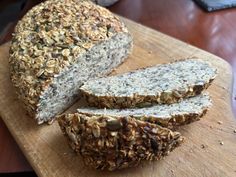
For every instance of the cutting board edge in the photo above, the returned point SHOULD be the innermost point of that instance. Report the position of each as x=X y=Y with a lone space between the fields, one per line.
x=20 y=144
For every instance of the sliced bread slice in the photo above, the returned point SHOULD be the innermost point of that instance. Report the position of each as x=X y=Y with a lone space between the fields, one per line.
x=166 y=83
x=171 y=116
x=115 y=143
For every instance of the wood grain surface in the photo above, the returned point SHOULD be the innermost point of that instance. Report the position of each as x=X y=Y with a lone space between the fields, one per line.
x=47 y=151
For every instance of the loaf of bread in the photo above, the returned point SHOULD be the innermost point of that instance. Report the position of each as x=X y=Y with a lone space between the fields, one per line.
x=115 y=143
x=57 y=46
x=166 y=83
x=169 y=116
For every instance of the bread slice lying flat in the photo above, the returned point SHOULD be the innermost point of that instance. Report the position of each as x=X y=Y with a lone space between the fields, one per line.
x=166 y=83
x=115 y=143
x=57 y=46
x=171 y=116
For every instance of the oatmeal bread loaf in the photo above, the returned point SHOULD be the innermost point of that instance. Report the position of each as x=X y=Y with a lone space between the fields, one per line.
x=57 y=46
x=115 y=143
x=169 y=116
x=166 y=83
x=105 y=3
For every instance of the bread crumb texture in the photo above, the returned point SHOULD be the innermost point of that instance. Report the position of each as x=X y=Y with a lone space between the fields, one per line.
x=50 y=38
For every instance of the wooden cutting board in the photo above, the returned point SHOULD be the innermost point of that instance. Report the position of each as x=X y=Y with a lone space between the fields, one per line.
x=202 y=154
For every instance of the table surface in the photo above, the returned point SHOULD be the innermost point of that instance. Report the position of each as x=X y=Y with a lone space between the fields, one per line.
x=182 y=19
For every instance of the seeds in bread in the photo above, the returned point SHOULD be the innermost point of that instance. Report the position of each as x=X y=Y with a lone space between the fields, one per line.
x=58 y=45
x=115 y=143
x=170 y=116
x=166 y=83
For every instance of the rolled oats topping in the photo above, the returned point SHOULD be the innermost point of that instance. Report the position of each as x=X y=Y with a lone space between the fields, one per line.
x=111 y=143
x=50 y=38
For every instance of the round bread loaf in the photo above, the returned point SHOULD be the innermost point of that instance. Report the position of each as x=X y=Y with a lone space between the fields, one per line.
x=57 y=46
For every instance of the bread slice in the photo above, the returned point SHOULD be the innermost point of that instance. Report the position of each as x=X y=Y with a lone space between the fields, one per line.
x=170 y=116
x=166 y=83
x=115 y=143
x=57 y=46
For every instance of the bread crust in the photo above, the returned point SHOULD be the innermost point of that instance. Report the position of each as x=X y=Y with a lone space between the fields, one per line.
x=108 y=143
x=49 y=39
x=172 y=123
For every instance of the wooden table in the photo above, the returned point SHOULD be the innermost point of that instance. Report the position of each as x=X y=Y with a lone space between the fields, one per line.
x=183 y=19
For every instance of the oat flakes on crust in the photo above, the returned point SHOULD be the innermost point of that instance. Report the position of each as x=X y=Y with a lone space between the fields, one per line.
x=49 y=39
x=115 y=143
